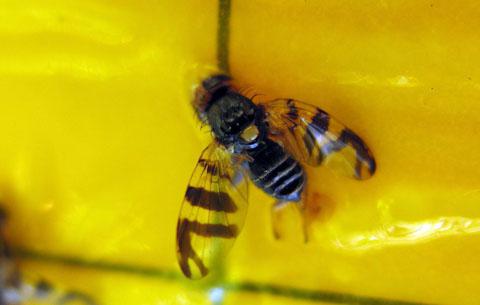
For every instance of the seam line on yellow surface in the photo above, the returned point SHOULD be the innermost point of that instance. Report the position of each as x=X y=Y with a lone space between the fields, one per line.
x=248 y=287
x=223 y=35
x=315 y=295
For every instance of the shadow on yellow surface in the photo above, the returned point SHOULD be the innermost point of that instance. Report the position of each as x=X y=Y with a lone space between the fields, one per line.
x=99 y=140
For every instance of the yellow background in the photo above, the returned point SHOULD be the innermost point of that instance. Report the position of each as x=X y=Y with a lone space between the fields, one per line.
x=98 y=141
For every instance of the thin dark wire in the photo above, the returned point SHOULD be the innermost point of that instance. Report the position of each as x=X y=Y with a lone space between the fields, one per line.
x=223 y=35
x=314 y=295
x=96 y=265
x=166 y=274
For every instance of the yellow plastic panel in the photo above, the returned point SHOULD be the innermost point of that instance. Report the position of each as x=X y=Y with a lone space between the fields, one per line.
x=99 y=141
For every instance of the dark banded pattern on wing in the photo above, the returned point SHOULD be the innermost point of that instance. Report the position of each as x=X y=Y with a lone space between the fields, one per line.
x=212 y=213
x=313 y=137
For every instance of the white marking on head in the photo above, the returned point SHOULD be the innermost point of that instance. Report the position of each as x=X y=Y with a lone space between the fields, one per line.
x=250 y=133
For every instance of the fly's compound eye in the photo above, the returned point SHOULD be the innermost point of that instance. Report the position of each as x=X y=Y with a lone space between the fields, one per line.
x=250 y=134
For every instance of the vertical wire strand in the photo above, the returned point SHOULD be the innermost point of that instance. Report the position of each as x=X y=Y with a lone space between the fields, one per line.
x=223 y=35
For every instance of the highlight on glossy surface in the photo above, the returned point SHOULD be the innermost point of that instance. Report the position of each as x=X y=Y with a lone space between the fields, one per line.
x=99 y=137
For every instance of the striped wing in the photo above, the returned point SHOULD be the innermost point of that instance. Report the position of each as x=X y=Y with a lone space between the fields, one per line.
x=313 y=137
x=212 y=213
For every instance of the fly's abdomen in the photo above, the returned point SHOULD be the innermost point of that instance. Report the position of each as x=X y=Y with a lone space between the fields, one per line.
x=276 y=172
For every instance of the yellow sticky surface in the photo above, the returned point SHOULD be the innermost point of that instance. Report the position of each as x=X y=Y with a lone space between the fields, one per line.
x=98 y=142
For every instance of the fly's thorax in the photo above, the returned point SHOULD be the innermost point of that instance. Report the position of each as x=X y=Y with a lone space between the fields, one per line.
x=208 y=91
x=236 y=120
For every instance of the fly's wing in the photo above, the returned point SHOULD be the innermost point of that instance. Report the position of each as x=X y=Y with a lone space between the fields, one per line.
x=212 y=213
x=313 y=137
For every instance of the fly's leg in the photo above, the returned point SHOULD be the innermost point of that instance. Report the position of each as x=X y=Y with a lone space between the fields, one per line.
x=288 y=221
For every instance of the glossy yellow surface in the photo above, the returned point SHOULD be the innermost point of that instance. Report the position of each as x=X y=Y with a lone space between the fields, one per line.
x=98 y=142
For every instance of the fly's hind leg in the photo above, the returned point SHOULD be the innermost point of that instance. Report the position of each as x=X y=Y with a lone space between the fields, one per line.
x=288 y=221
x=276 y=216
